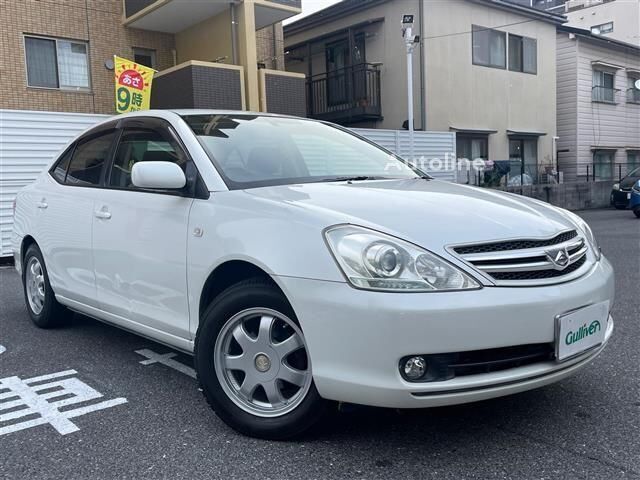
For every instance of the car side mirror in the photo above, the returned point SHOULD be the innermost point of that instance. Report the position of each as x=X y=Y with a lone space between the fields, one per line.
x=158 y=176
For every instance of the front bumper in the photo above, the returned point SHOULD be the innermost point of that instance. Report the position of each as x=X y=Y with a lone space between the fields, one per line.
x=620 y=198
x=356 y=338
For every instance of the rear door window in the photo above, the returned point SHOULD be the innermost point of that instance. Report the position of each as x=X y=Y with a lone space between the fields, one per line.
x=59 y=170
x=89 y=159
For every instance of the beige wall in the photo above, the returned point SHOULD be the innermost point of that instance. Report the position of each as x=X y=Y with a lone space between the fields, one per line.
x=101 y=26
x=625 y=15
x=460 y=94
x=457 y=93
x=206 y=41
x=383 y=44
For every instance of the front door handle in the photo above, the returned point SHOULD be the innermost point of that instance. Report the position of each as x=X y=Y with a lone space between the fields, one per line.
x=42 y=204
x=103 y=214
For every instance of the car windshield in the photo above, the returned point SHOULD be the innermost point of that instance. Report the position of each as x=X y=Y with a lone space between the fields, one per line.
x=256 y=151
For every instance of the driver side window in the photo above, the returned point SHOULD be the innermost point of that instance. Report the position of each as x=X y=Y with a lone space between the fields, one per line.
x=143 y=145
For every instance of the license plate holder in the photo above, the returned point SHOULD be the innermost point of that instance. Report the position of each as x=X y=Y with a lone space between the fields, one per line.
x=580 y=330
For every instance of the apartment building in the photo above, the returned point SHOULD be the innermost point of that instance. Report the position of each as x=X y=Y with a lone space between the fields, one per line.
x=58 y=55
x=598 y=98
x=615 y=19
x=485 y=69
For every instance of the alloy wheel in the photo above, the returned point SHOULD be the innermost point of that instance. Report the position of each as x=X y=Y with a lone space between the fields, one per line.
x=34 y=282
x=262 y=363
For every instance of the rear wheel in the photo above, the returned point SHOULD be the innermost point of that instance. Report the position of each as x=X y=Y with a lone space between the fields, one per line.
x=252 y=363
x=43 y=308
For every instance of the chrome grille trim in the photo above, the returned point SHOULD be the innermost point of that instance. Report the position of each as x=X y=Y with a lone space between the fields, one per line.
x=528 y=266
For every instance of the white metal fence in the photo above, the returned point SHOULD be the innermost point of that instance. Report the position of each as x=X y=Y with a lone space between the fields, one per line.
x=427 y=146
x=29 y=140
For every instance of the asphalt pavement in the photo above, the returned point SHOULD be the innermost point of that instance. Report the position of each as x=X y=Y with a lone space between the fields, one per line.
x=148 y=420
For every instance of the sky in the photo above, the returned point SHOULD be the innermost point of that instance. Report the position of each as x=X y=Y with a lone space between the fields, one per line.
x=309 y=7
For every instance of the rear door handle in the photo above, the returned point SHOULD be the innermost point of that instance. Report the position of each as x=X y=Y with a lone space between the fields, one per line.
x=103 y=214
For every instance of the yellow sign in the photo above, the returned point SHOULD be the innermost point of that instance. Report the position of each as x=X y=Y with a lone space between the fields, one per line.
x=133 y=85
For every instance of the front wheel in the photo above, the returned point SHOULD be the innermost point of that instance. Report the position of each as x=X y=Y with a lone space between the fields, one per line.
x=636 y=211
x=253 y=365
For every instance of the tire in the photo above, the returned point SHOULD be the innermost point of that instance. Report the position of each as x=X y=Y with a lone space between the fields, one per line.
x=239 y=309
x=45 y=311
x=636 y=211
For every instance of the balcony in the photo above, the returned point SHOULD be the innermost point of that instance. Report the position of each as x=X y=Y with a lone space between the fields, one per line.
x=195 y=84
x=603 y=94
x=348 y=95
x=173 y=16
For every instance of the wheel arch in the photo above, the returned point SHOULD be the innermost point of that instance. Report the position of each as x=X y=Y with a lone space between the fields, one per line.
x=27 y=241
x=227 y=274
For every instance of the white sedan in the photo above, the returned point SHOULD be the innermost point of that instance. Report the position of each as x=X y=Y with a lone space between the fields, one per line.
x=302 y=264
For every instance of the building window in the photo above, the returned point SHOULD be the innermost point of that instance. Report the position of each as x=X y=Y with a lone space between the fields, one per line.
x=340 y=77
x=144 y=56
x=603 y=164
x=472 y=147
x=523 y=159
x=603 y=86
x=633 y=160
x=489 y=47
x=523 y=54
x=602 y=28
x=56 y=63
x=633 y=92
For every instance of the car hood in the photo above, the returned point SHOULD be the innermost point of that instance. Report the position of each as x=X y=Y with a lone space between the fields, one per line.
x=430 y=213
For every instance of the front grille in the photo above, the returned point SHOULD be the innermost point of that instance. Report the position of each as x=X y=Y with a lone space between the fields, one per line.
x=515 y=244
x=539 y=274
x=445 y=366
x=528 y=261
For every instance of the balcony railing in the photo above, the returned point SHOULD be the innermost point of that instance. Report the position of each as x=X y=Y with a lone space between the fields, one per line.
x=603 y=94
x=633 y=95
x=347 y=95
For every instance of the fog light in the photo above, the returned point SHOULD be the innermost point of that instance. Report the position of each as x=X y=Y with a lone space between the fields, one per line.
x=415 y=368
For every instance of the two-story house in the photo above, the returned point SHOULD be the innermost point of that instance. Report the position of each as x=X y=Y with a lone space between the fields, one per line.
x=485 y=69
x=58 y=56
x=598 y=100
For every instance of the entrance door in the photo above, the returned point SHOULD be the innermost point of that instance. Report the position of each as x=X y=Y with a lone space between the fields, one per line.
x=523 y=154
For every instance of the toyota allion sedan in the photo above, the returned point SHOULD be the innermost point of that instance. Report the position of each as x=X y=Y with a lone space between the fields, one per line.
x=303 y=265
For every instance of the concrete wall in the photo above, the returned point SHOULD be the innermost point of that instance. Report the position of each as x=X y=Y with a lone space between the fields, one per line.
x=625 y=15
x=572 y=196
x=460 y=94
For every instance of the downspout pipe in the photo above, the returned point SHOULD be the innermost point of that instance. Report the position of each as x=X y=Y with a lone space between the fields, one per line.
x=423 y=101
x=234 y=34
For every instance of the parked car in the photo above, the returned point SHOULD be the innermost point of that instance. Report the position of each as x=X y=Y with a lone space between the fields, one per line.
x=302 y=264
x=621 y=191
x=634 y=202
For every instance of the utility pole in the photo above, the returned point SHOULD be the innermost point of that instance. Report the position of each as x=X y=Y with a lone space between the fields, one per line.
x=410 y=42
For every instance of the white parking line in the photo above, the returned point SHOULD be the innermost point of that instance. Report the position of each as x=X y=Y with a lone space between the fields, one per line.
x=165 y=359
x=22 y=393
x=2 y=349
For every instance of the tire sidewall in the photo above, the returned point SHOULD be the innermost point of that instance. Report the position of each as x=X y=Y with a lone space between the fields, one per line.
x=45 y=318
x=231 y=302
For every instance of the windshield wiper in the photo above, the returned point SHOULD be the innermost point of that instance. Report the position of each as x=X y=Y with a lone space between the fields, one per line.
x=352 y=179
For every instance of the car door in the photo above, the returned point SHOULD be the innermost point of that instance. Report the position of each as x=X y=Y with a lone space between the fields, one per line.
x=140 y=236
x=64 y=204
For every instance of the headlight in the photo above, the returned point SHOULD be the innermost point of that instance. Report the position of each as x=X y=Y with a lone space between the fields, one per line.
x=588 y=233
x=375 y=261
x=616 y=186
